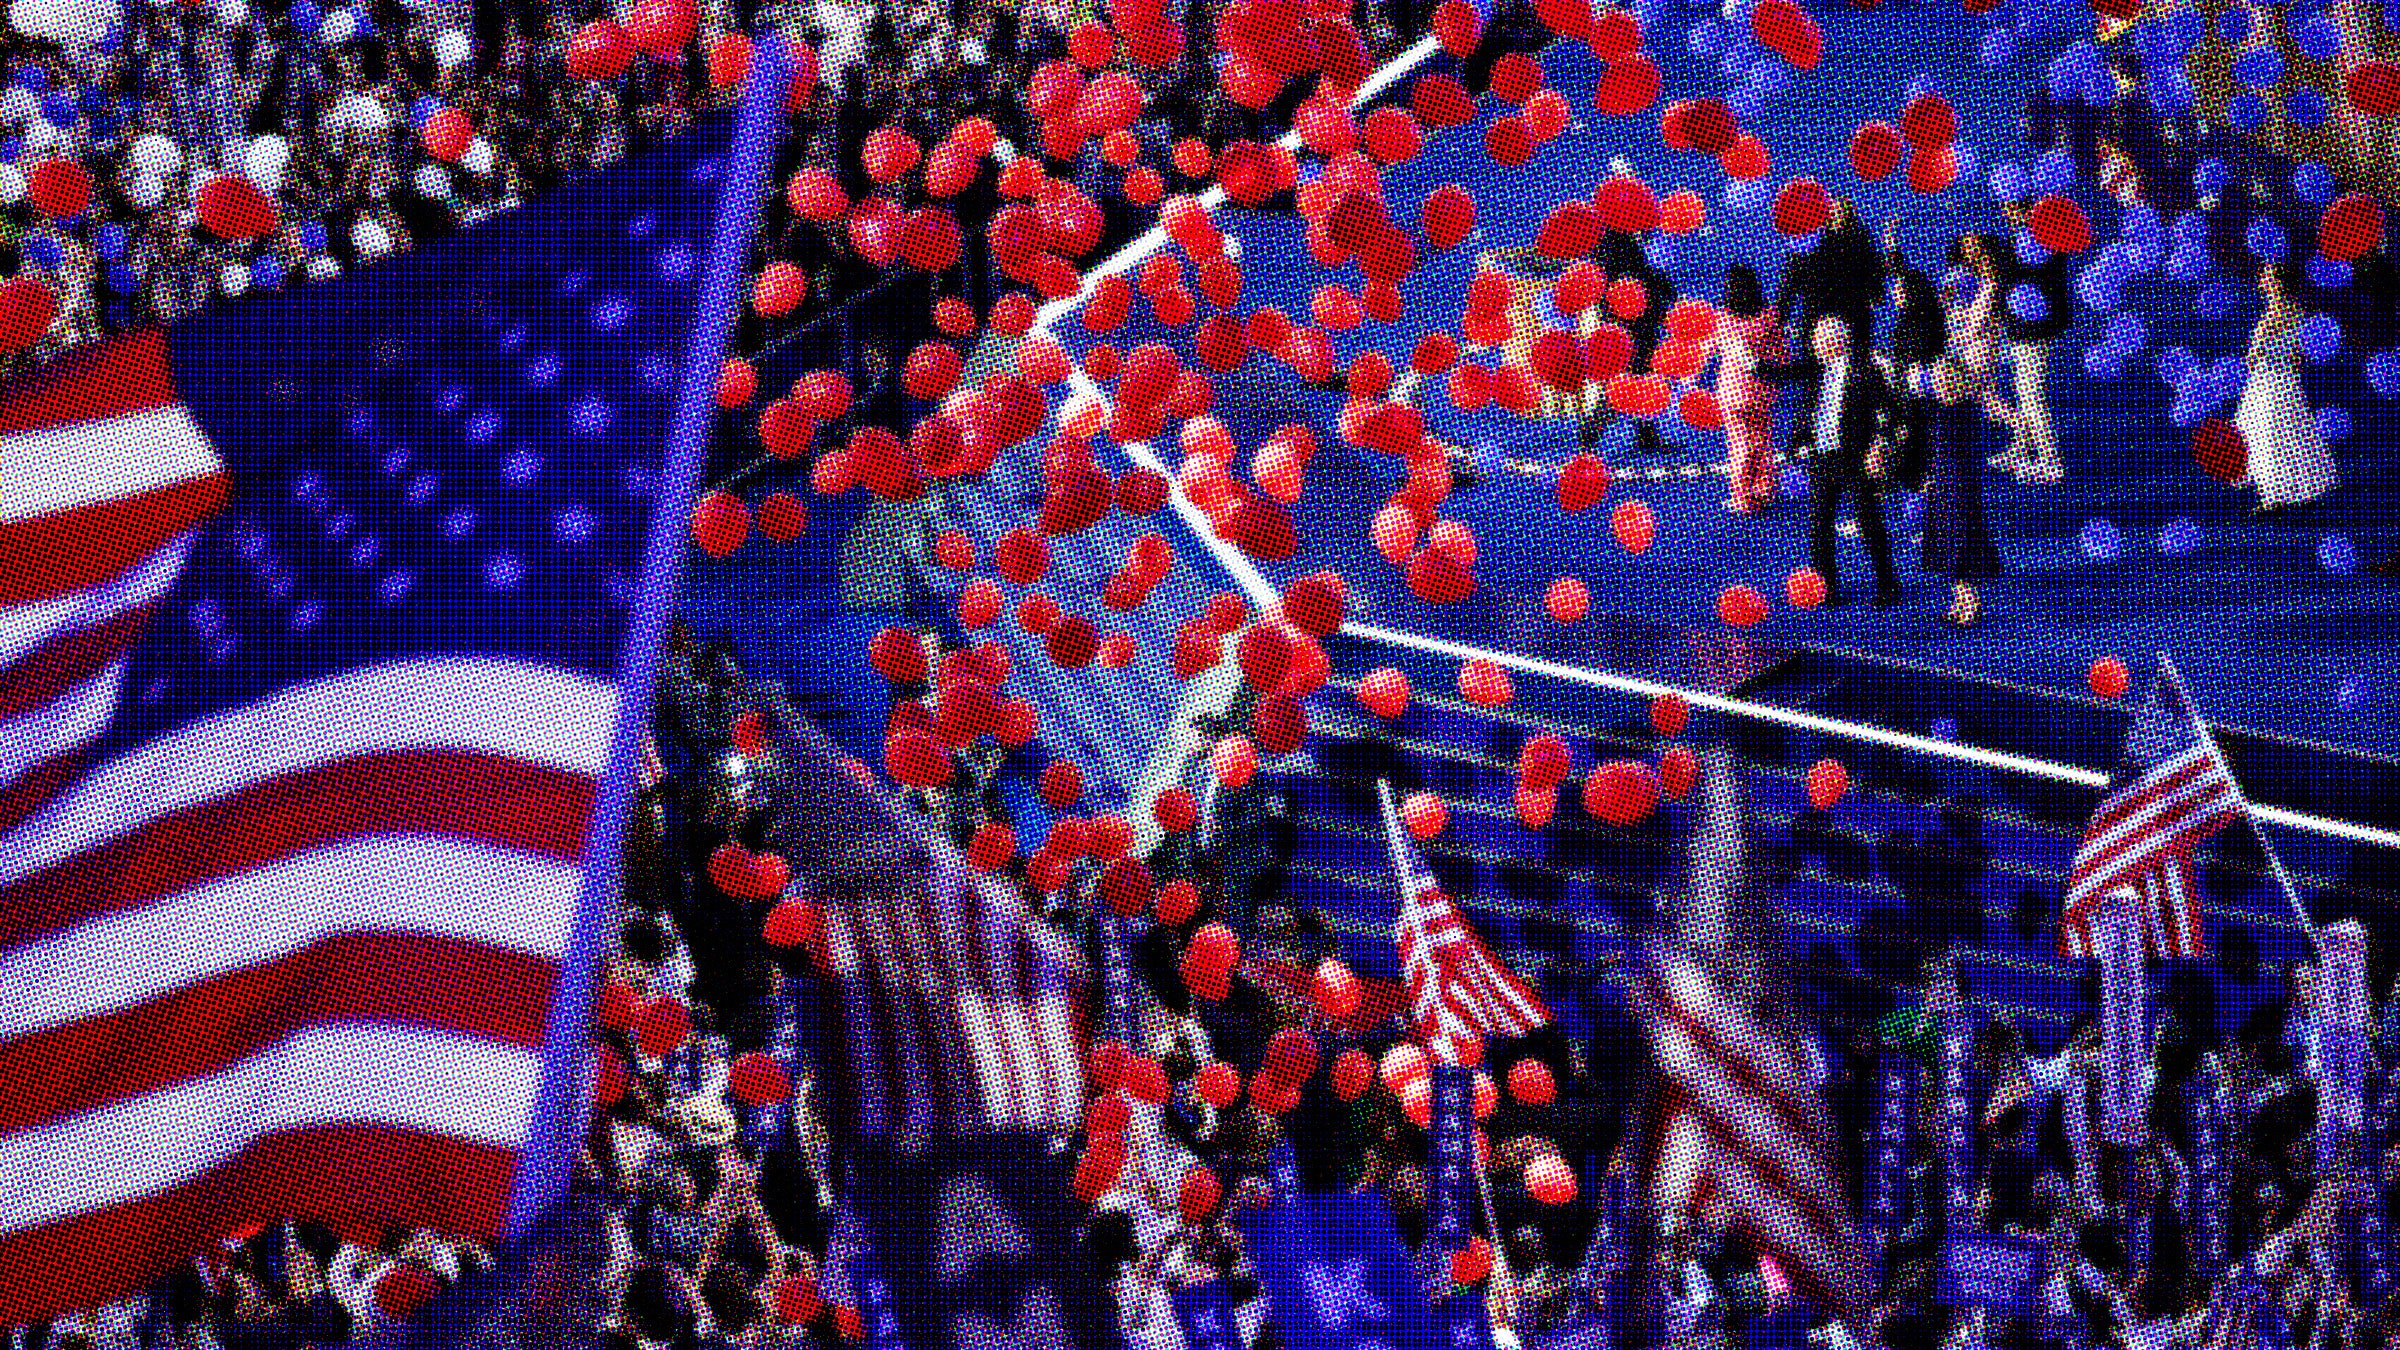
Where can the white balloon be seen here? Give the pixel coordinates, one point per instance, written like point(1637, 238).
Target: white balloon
point(155, 154)
point(264, 162)
point(451, 47)
point(69, 23)
point(339, 26)
point(12, 185)
point(17, 105)
point(358, 112)
point(479, 158)
point(322, 268)
point(40, 135)
point(1002, 151)
point(370, 238)
point(432, 180)
point(235, 279)
point(233, 13)
point(1233, 247)
point(146, 190)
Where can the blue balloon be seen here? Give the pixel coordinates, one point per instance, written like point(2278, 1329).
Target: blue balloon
point(2187, 264)
point(2190, 407)
point(1705, 39)
point(2320, 337)
point(2306, 107)
point(2100, 540)
point(2169, 91)
point(2029, 250)
point(425, 106)
point(109, 241)
point(2127, 332)
point(2353, 693)
point(1747, 104)
point(2210, 176)
point(1998, 48)
point(2328, 274)
point(306, 17)
point(123, 279)
point(1732, 62)
point(35, 79)
point(2010, 182)
point(60, 110)
point(2176, 364)
point(2259, 68)
point(42, 251)
point(2247, 111)
point(2313, 183)
point(11, 149)
point(2054, 171)
point(2026, 301)
point(312, 235)
point(2186, 27)
point(2178, 537)
point(2103, 362)
point(2265, 239)
point(2099, 286)
point(2142, 256)
point(2336, 554)
point(1967, 159)
point(2236, 24)
point(2141, 221)
point(266, 271)
point(2383, 372)
point(2319, 39)
point(2333, 422)
point(1746, 197)
point(1792, 482)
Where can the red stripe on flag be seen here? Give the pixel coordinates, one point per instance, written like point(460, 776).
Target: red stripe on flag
point(48, 672)
point(129, 374)
point(355, 1179)
point(529, 808)
point(405, 979)
point(59, 553)
point(33, 789)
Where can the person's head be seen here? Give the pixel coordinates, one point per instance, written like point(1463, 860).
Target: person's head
point(1743, 294)
point(2280, 281)
point(2014, 213)
point(1843, 216)
point(1830, 340)
point(1949, 379)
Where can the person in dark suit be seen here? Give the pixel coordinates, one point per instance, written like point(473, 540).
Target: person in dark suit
point(1958, 542)
point(1841, 274)
point(1844, 402)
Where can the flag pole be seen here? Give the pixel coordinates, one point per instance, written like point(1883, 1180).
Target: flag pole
point(2291, 893)
point(555, 1133)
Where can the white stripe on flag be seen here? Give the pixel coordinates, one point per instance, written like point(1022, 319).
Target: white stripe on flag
point(460, 1086)
point(82, 463)
point(539, 714)
point(28, 627)
point(391, 883)
point(74, 718)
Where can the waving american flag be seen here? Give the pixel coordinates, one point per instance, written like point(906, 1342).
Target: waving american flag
point(1458, 990)
point(2170, 794)
point(315, 616)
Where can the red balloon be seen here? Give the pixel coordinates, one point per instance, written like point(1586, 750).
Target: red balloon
point(1875, 151)
point(1384, 692)
point(1530, 1082)
point(1449, 216)
point(2351, 225)
point(1391, 134)
point(1678, 770)
point(1802, 206)
point(1805, 588)
point(2108, 677)
point(2059, 225)
point(1620, 792)
point(1929, 171)
point(1549, 1180)
point(1709, 126)
point(1633, 525)
point(59, 188)
point(1614, 34)
point(233, 208)
point(2220, 449)
point(1582, 483)
point(1741, 606)
point(1786, 30)
point(720, 521)
point(1508, 141)
point(1627, 86)
point(662, 28)
point(755, 1079)
point(600, 50)
point(27, 309)
point(1458, 27)
point(2374, 88)
point(1625, 204)
point(1745, 159)
point(663, 1026)
point(1828, 782)
point(446, 134)
point(1198, 1195)
point(1353, 1072)
point(1928, 121)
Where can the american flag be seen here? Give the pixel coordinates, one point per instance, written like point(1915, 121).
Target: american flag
point(1743, 1133)
point(1458, 991)
point(948, 1009)
point(2169, 795)
point(1746, 1130)
point(312, 613)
